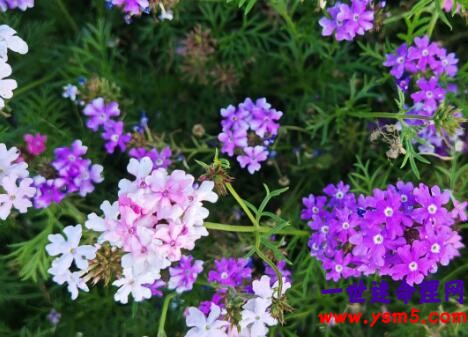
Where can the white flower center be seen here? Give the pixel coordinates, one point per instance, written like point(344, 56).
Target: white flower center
point(115, 138)
point(159, 162)
point(432, 209)
point(345, 225)
point(224, 275)
point(388, 212)
point(435, 248)
point(324, 229)
point(444, 63)
point(338, 268)
point(378, 239)
point(400, 60)
point(339, 195)
point(315, 246)
point(356, 17)
point(425, 52)
point(404, 198)
point(413, 266)
point(315, 210)
point(429, 94)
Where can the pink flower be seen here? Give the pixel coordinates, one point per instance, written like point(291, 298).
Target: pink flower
point(174, 238)
point(35, 144)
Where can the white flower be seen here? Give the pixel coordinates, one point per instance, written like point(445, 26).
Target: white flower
point(108, 224)
point(205, 192)
point(7, 165)
point(9, 40)
point(263, 289)
point(17, 196)
point(202, 326)
point(256, 317)
point(63, 275)
point(70, 91)
point(6, 85)
point(134, 284)
point(69, 249)
point(138, 168)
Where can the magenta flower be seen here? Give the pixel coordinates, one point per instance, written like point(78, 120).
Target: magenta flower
point(430, 94)
point(113, 133)
point(252, 158)
point(35, 144)
point(183, 276)
point(413, 264)
point(132, 7)
point(99, 113)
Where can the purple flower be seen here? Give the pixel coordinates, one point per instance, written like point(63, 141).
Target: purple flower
point(397, 61)
point(48, 192)
point(448, 63)
point(54, 317)
point(132, 7)
point(424, 53)
point(459, 210)
point(313, 206)
point(12, 4)
point(413, 264)
point(155, 291)
point(432, 212)
point(338, 266)
point(230, 272)
point(234, 119)
point(232, 140)
point(205, 306)
point(264, 119)
point(252, 158)
point(159, 159)
point(88, 177)
point(185, 274)
point(113, 133)
point(430, 94)
point(347, 21)
point(99, 113)
point(68, 160)
point(338, 193)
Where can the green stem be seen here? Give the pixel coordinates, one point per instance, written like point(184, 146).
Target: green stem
point(387, 115)
point(252, 229)
point(162, 319)
point(67, 16)
point(242, 204)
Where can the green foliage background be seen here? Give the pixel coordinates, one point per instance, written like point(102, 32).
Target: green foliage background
point(329, 92)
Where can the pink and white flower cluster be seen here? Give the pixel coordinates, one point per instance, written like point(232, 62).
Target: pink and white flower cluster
point(256, 314)
point(15, 185)
point(156, 216)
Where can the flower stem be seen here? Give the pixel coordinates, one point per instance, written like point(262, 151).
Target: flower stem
point(388, 115)
point(162, 319)
point(242, 204)
point(252, 229)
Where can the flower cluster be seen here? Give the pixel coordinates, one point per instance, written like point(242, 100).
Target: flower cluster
point(347, 21)
point(156, 216)
point(8, 40)
point(101, 115)
point(73, 172)
point(404, 232)
point(429, 64)
point(13, 4)
point(254, 302)
point(430, 67)
point(16, 188)
point(248, 130)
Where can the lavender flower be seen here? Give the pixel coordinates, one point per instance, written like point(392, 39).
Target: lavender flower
point(99, 113)
point(115, 136)
point(252, 158)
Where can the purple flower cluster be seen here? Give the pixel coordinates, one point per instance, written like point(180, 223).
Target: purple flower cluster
point(13, 4)
point(159, 158)
point(429, 65)
point(347, 21)
point(404, 232)
point(248, 130)
point(426, 68)
point(100, 115)
point(74, 173)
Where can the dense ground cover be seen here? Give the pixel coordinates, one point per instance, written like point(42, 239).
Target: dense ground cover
point(231, 158)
